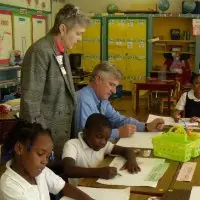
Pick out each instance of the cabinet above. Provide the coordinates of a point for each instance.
(90, 46)
(9, 76)
(7, 121)
(162, 27)
(127, 47)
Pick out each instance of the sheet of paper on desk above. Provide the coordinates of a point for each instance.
(146, 177)
(138, 140)
(170, 120)
(105, 194)
(195, 193)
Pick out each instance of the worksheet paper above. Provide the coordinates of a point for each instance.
(195, 193)
(139, 140)
(170, 120)
(105, 194)
(152, 169)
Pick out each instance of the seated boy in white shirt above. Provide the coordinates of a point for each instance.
(82, 156)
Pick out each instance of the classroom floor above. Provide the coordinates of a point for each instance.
(125, 106)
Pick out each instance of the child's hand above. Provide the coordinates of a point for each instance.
(195, 119)
(108, 172)
(132, 166)
(177, 117)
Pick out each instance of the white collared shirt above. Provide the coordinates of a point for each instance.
(15, 187)
(83, 155)
(182, 101)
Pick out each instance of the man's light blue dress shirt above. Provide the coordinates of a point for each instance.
(87, 104)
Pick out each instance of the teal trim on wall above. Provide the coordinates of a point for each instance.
(101, 43)
(17, 9)
(149, 46)
(197, 54)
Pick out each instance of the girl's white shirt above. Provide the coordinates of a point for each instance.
(15, 187)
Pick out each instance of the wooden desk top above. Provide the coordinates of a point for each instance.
(154, 81)
(134, 196)
(180, 185)
(163, 184)
(9, 116)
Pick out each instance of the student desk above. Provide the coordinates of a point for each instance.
(180, 185)
(165, 75)
(163, 184)
(155, 85)
(134, 196)
(7, 121)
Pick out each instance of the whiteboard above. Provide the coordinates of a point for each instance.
(39, 27)
(44, 5)
(6, 42)
(22, 32)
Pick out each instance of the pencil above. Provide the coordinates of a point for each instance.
(118, 174)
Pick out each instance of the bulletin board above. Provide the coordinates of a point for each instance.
(6, 42)
(127, 47)
(39, 27)
(90, 46)
(22, 39)
(44, 5)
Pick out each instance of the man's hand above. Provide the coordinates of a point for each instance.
(155, 125)
(126, 130)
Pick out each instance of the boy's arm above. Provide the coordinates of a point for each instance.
(128, 153)
(72, 171)
(75, 193)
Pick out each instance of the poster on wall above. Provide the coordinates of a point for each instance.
(196, 26)
(39, 27)
(22, 32)
(44, 5)
(6, 44)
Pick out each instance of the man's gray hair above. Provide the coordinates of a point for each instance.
(105, 68)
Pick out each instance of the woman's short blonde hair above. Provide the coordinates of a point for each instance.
(70, 15)
(105, 68)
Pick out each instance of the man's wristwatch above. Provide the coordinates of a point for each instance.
(145, 127)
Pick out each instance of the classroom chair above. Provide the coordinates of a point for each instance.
(144, 98)
(174, 98)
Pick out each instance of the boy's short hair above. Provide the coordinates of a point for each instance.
(97, 121)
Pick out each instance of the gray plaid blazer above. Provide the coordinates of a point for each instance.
(48, 96)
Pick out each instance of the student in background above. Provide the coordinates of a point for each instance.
(94, 99)
(82, 156)
(29, 147)
(189, 102)
(48, 95)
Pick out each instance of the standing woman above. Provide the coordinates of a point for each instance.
(48, 95)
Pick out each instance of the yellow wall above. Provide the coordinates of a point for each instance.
(100, 6)
(55, 8)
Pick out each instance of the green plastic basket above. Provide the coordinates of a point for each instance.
(176, 144)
